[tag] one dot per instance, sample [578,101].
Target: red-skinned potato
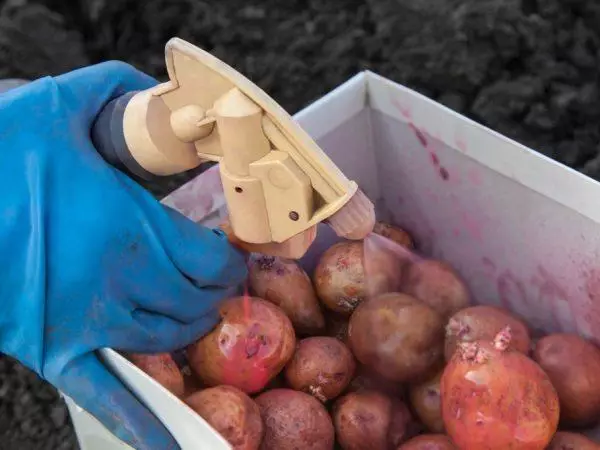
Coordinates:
[340,278]
[294,420]
[248,348]
[162,368]
[233,414]
[495,398]
[437,284]
[284,283]
[369,420]
[573,365]
[321,366]
[395,234]
[429,442]
[398,336]
[484,322]
[426,402]
[565,440]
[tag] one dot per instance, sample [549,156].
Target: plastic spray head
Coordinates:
[356,219]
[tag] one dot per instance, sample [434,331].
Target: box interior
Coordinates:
[516,242]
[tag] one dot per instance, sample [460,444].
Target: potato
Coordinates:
[341,280]
[429,442]
[496,398]
[284,283]
[437,284]
[398,336]
[321,366]
[294,420]
[426,402]
[483,322]
[395,234]
[370,420]
[162,368]
[233,414]
[564,440]
[573,365]
[248,348]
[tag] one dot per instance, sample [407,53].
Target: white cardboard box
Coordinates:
[522,229]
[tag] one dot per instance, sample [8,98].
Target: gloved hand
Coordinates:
[89,258]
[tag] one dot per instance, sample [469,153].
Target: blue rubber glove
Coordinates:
[89,258]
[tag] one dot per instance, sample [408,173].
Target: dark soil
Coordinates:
[527,68]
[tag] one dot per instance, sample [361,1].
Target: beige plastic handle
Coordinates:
[278,183]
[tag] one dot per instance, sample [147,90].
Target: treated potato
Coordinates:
[426,402]
[162,368]
[284,283]
[398,336]
[294,420]
[483,322]
[497,398]
[573,365]
[429,442]
[232,414]
[437,284]
[370,420]
[248,348]
[321,366]
[395,234]
[564,440]
[341,280]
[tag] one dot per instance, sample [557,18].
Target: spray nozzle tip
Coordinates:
[356,219]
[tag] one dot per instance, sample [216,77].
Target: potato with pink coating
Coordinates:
[247,349]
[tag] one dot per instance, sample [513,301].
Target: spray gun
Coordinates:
[278,184]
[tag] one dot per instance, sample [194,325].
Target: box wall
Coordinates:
[514,239]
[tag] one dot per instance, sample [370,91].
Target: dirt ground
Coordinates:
[526,68]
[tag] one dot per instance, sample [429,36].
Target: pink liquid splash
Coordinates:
[247,347]
[384,263]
